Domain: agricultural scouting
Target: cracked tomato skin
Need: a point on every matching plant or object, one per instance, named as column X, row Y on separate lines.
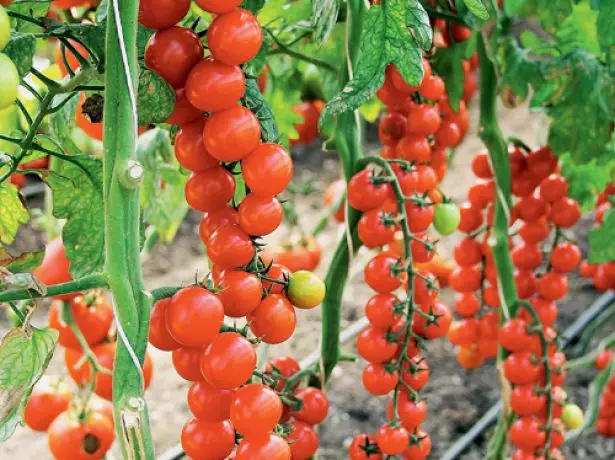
column 71, row 440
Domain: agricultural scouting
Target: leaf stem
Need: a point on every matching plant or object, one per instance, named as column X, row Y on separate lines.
column 95, row 281
column 284, row 49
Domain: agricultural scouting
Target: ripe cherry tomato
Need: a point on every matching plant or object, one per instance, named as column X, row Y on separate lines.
column 276, row 272
column 466, row 279
column 230, row 247
column 482, row 194
column 411, row 413
column 231, row 134
column 303, row 440
column 521, row 368
column 467, row 304
column 48, row 400
column 565, row 257
column 414, row 148
column 271, row 447
column 274, row 320
column 379, row 275
column 363, row 194
column 202, row 440
column 392, row 441
column 373, row 346
column 267, row 170
column 526, row 433
column 212, row 86
column 69, row 439
column 186, row 362
column 433, row 330
column 218, row 6
column 194, row 316
column 159, row 335
column 391, row 128
column 468, row 252
column 423, row 120
column 535, row 232
column 54, row 269
column 553, row 188
column 380, row 310
column 433, row 88
column 184, row 111
column 209, row 404
column 420, row 448
column 314, row 406
column 259, row 215
column 565, row 212
column 524, row 400
column 285, row 366
column 305, row 290
column 235, row 37
column 364, row 447
column 92, row 314
column 229, row 361
column 190, row 149
column 172, row 53
column 160, row 14
column 514, row 335
column 553, row 286
column 471, row 218
column 527, row 256
column 212, row 221
column 470, row 357
column 63, row 4
column 377, row 380
column 210, row 190
column 73, row 62
column 255, row 410
column 308, row 128
column 240, row 292
column 416, row 375
column 603, row 359
column 464, row 333
column 448, row 135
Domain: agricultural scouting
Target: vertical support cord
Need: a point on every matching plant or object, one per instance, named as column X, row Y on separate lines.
column 122, row 212
column 348, row 139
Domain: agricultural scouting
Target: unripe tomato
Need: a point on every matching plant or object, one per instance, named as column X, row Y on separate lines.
column 235, row 37
column 160, row 14
column 447, row 218
column 305, row 290
column 572, row 416
column 212, row 86
column 70, row 439
column 5, row 28
column 47, row 401
column 9, row 81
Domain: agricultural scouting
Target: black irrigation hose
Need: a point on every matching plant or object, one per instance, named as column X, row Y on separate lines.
column 568, row 336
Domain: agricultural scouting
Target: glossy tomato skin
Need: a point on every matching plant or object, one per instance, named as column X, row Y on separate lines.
column 356, row 450
column 271, row 447
column 377, row 380
column 229, row 361
column 231, row 134
column 172, row 53
column 230, row 247
column 213, row 86
column 186, row 361
column 274, row 320
column 363, row 194
column 184, row 111
column 259, row 216
column 268, row 169
column 207, row 441
column 308, row 128
column 194, row 316
column 71, row 440
column 54, row 269
column 378, row 273
column 210, row 190
column 392, row 441
column 159, row 335
column 303, row 440
column 240, row 292
column 235, row 37
column 315, row 405
column 46, row 402
column 160, row 14
column 255, row 410
column 93, row 321
column 208, row 403
column 218, row 6
column 190, row 149
column 212, row 221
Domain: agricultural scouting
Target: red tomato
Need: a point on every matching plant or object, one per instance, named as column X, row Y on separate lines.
column 186, row 362
column 471, row 218
column 364, row 447
column 521, row 368
column 411, row 413
column 202, row 440
column 267, row 170
column 259, row 216
column 160, row 14
column 47, row 401
column 526, row 433
column 423, row 120
column 92, row 128
column 391, row 128
column 61, row 4
column 553, row 188
column 271, row 447
column 414, row 148
column 235, row 37
column 285, row 366
column 466, row 279
column 230, row 247
column 92, row 314
column 565, row 212
column 392, row 441
column 380, row 310
column 194, row 316
column 274, row 320
column 229, row 361
column 303, row 440
column 218, row 6
column 416, row 374
column 73, row 62
column 212, row 86
column 231, row 134
column 565, row 257
column 54, row 269
column 159, row 335
column 184, row 111
column 373, row 232
column 172, row 53
column 276, row 272
column 190, row 149
column 553, row 286
column 377, row 380
column 69, row 439
column 433, row 330
column 433, row 88
column 314, row 406
column 255, row 410
column 470, row 357
column 514, row 336
column 379, row 275
column 240, row 292
column 210, row 190
column 420, row 449
column 209, row 404
column 524, row 400
column 373, row 346
column 212, row 221
column 468, row 252
column 467, row 304
column 464, row 333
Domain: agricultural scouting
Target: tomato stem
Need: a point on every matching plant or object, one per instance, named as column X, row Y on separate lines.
column 86, row 283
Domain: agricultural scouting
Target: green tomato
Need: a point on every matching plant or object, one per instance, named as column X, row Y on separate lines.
column 9, row 81
column 5, row 28
column 305, row 290
column 8, row 124
column 446, row 218
column 572, row 416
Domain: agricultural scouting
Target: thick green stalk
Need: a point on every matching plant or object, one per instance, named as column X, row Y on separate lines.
column 82, row 284
column 348, row 139
column 122, row 217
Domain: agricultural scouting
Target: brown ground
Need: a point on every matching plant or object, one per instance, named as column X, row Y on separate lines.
column 456, row 398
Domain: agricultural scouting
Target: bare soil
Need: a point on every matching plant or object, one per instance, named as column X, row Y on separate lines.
column 456, row 398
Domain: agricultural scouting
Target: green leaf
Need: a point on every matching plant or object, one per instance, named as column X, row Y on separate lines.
column 254, row 6
column 91, row 35
column 284, row 12
column 143, row 36
column 324, row 18
column 61, row 121
column 606, row 24
column 22, row 263
column 579, row 30
column 21, row 48
column 155, row 98
column 12, row 212
column 553, row 13
column 163, row 207
column 24, row 357
column 447, row 63
column 77, row 197
column 371, row 109
column 283, row 94
column 585, row 180
column 601, row 241
column 261, row 109
column 519, row 72
column 393, row 32
column 580, row 101
column 34, row 8
column 477, row 8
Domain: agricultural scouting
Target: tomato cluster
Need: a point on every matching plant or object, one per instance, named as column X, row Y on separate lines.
column 603, row 274
column 605, row 425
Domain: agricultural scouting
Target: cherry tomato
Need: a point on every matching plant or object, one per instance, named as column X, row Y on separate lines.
column 212, row 86
column 314, row 406
column 423, row 120
column 572, row 416
column 420, row 446
column 363, row 194
column 471, row 218
column 411, row 413
column 94, row 129
column 218, row 6
column 433, row 88
column 392, row 441
column 466, row 279
column 527, row 256
column 271, row 447
column 525, row 400
column 414, row 148
column 526, row 433
column 194, row 316
column 380, row 310
column 209, row 404
column 190, row 149
column 184, row 111
column 231, row 134
column 160, row 14
column 470, row 357
column 464, row 333
column 172, row 53
column 446, row 218
column 260, row 215
column 303, row 440
column 308, row 128
column 255, row 410
column 54, row 269
column 391, row 128
column 276, row 272
column 521, row 368
column 377, row 380
column 210, row 190
column 467, row 304
column 535, row 232
column 553, row 286
column 305, row 290
column 159, row 335
column 416, row 375
column 379, row 275
column 240, row 292
column 212, row 221
column 186, row 362
column 274, row 320
column 364, row 447
column 230, row 247
column 553, row 188
column 267, row 170
column 93, row 315
column 565, row 257
column 69, row 439
column 373, row 346
column 203, row 440
column 229, row 361
column 235, row 37
column 47, row 401
column 565, row 212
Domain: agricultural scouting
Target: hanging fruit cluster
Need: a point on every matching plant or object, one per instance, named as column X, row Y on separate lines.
column 216, row 146
column 602, row 275
column 542, row 256
column 82, row 420
column 605, row 425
